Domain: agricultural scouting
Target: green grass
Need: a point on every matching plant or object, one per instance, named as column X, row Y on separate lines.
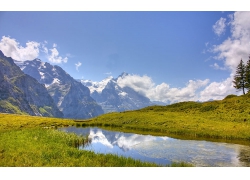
column 16, row 122
column 228, row 119
column 31, row 141
column 45, row 111
column 47, row 147
column 10, row 107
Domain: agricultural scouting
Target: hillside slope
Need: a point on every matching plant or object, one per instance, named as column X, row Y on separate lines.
column 22, row 94
column 225, row 119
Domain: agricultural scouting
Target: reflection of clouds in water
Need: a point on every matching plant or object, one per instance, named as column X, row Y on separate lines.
column 199, row 153
column 164, row 138
column 126, row 143
column 122, row 140
column 165, row 149
column 99, row 137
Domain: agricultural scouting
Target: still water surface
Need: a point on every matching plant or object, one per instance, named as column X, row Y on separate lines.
column 164, row 150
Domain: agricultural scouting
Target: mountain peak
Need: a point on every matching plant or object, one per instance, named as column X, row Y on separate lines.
column 70, row 96
column 22, row 93
column 1, row 54
column 123, row 74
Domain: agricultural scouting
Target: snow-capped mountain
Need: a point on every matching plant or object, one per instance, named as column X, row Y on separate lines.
column 114, row 98
column 23, row 94
column 70, row 96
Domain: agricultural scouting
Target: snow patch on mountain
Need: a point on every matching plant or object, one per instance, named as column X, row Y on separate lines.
column 42, row 75
column 123, row 94
column 70, row 96
column 56, row 80
column 96, row 86
column 112, row 97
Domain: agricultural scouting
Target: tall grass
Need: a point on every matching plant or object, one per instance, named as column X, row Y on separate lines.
column 47, row 147
column 30, row 141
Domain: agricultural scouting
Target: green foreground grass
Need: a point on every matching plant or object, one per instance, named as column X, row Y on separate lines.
column 28, row 141
column 41, row 148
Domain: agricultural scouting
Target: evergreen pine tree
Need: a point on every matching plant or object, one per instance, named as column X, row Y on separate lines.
column 247, row 74
column 240, row 77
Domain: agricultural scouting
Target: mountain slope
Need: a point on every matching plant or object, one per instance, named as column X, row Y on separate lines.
column 70, row 96
column 114, row 98
column 22, row 94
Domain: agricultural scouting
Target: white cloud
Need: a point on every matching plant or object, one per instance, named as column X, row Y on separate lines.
column 44, row 48
column 11, row 48
column 54, row 56
column 219, row 26
column 237, row 46
column 230, row 51
column 78, row 65
column 162, row 92
column 141, row 84
column 216, row 66
column 218, row 90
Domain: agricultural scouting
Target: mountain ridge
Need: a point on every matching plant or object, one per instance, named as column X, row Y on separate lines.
column 21, row 93
column 114, row 98
column 70, row 96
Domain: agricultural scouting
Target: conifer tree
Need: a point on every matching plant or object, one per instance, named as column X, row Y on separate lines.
column 240, row 77
column 247, row 74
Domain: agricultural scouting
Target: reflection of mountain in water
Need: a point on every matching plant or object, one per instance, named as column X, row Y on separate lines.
column 164, row 150
column 122, row 140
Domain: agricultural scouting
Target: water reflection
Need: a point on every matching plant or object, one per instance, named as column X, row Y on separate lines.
column 164, row 150
column 124, row 141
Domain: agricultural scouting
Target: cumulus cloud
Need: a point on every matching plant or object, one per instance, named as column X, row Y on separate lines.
column 190, row 92
column 220, row 26
column 230, row 52
column 163, row 92
column 237, row 46
column 12, row 48
column 218, row 90
column 140, row 84
column 78, row 65
column 54, row 56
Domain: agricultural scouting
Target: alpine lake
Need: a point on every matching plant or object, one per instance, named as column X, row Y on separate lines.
column 164, row 150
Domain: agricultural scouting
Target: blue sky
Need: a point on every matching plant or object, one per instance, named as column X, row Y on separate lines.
column 166, row 46
column 175, row 52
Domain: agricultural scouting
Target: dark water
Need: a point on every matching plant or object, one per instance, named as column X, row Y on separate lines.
column 164, row 150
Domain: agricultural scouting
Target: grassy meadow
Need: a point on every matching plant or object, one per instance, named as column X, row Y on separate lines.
column 34, row 141
column 30, row 141
column 226, row 120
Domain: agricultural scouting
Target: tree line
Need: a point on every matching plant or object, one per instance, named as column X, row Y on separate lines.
column 242, row 76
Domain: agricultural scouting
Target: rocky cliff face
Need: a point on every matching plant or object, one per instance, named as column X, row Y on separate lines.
column 114, row 98
column 22, row 94
column 70, row 96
